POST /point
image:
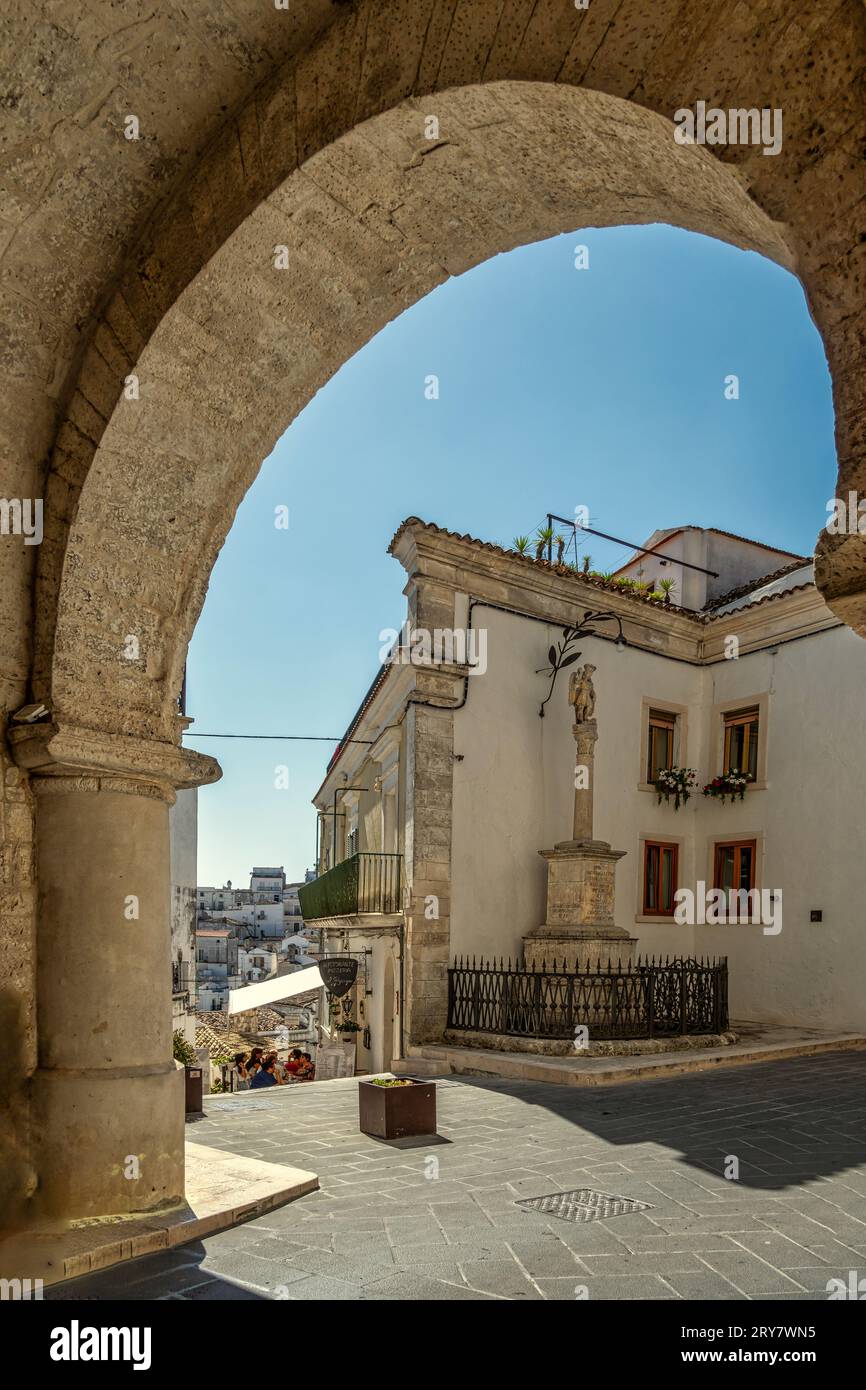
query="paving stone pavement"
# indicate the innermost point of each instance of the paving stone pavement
(437, 1219)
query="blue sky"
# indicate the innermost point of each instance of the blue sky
(557, 387)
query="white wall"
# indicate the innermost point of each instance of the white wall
(813, 814)
(513, 797)
(735, 562)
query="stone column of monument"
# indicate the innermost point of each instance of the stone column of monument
(579, 931)
(107, 1097)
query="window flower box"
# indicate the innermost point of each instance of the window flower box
(676, 782)
(729, 784)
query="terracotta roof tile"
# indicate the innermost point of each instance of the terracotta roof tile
(712, 609)
(565, 571)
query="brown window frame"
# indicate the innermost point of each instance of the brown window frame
(660, 845)
(735, 845)
(734, 719)
(659, 719)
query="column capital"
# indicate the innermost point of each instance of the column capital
(60, 752)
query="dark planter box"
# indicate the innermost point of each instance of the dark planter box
(193, 1090)
(395, 1112)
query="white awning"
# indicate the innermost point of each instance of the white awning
(273, 990)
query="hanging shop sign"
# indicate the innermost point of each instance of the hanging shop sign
(338, 974)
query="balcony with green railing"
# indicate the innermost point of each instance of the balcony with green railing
(363, 883)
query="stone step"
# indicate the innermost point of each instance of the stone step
(223, 1189)
(416, 1065)
(447, 1059)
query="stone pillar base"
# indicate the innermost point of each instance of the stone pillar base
(89, 1127)
(107, 1116)
(580, 932)
(578, 950)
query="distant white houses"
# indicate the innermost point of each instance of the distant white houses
(300, 950)
(183, 838)
(263, 920)
(256, 963)
(216, 955)
(268, 909)
(268, 885)
(292, 907)
(251, 933)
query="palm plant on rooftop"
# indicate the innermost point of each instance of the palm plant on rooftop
(543, 538)
(521, 545)
(666, 586)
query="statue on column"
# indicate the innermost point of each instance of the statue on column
(580, 931)
(581, 693)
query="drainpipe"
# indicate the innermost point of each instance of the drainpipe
(401, 929)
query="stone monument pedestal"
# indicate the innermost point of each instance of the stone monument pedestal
(579, 932)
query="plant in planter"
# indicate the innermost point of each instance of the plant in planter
(184, 1053)
(732, 784)
(666, 586)
(182, 1050)
(521, 545)
(676, 782)
(396, 1107)
(560, 548)
(348, 1025)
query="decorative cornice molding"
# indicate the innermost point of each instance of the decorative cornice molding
(93, 758)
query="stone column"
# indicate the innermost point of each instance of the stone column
(427, 863)
(585, 737)
(107, 1098)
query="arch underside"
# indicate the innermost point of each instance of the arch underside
(371, 224)
(227, 348)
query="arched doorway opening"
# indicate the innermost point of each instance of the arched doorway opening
(224, 352)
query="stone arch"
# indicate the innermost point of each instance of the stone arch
(314, 141)
(370, 225)
(160, 493)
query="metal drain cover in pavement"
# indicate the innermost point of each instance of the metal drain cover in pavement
(583, 1205)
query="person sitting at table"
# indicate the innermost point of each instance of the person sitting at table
(264, 1077)
(307, 1070)
(293, 1065)
(240, 1060)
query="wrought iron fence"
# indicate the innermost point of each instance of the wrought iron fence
(362, 883)
(647, 998)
